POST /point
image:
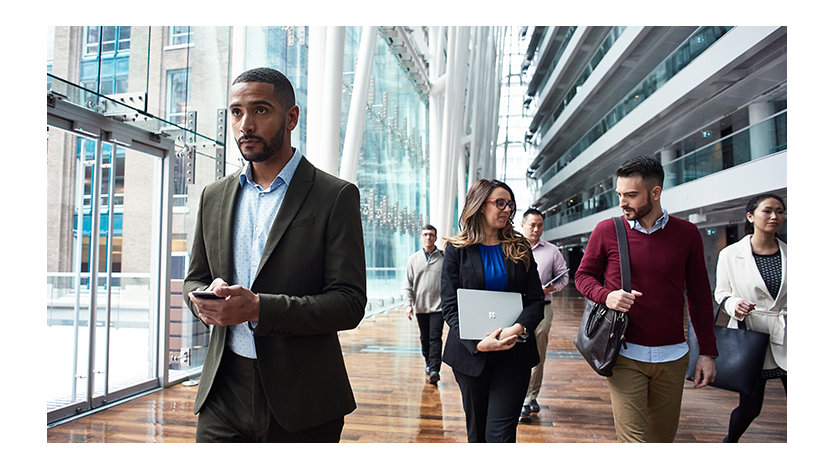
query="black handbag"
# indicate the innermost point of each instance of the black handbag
(602, 330)
(738, 367)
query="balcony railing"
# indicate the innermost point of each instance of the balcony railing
(758, 141)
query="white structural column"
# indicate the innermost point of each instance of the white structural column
(358, 105)
(666, 156)
(442, 190)
(464, 96)
(437, 79)
(497, 41)
(331, 106)
(476, 104)
(452, 122)
(315, 84)
(761, 135)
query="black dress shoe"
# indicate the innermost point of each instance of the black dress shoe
(525, 410)
(534, 406)
(434, 377)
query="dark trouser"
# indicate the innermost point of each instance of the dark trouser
(236, 409)
(749, 407)
(492, 400)
(431, 338)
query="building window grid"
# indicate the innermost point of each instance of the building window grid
(105, 66)
(180, 36)
(106, 40)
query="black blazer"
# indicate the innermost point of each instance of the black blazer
(311, 283)
(464, 268)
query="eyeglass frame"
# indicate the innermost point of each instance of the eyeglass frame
(507, 203)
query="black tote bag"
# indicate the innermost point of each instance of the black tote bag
(602, 330)
(741, 354)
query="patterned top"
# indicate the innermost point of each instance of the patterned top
(254, 216)
(770, 267)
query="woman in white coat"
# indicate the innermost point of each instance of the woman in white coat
(752, 274)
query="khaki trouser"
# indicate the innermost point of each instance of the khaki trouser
(542, 334)
(646, 399)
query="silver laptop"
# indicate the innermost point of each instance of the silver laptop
(480, 312)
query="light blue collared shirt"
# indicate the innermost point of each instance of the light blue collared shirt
(653, 354)
(660, 223)
(254, 217)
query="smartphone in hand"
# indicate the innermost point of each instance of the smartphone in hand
(205, 295)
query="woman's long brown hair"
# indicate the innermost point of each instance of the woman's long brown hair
(471, 224)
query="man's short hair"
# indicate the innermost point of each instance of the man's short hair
(531, 210)
(429, 227)
(281, 86)
(649, 168)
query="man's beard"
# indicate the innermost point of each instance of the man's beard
(640, 212)
(270, 147)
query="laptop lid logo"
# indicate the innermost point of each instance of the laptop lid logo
(492, 315)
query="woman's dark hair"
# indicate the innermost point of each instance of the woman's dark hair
(754, 203)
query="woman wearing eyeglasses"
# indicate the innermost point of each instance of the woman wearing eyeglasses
(488, 254)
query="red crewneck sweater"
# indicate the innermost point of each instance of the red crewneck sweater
(664, 265)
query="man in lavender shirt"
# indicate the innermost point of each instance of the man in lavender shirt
(551, 265)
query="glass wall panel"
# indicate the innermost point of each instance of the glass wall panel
(392, 173)
(188, 336)
(283, 48)
(188, 95)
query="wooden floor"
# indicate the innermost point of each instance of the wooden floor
(397, 405)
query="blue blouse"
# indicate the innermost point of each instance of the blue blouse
(495, 274)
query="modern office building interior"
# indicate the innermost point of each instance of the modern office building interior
(137, 125)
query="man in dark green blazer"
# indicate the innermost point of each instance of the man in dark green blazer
(287, 267)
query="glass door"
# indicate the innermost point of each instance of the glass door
(107, 207)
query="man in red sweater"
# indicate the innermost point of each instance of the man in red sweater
(667, 266)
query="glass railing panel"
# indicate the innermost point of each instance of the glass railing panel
(757, 141)
(123, 111)
(768, 137)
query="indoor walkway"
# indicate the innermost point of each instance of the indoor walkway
(396, 404)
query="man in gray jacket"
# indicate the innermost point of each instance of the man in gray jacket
(422, 296)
